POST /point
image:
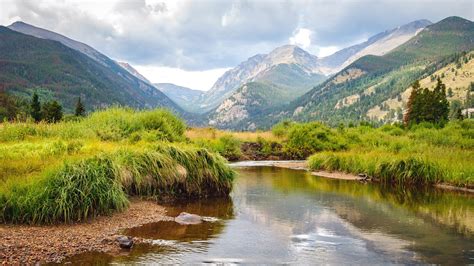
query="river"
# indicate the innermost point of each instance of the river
(277, 215)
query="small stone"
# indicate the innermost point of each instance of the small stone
(188, 218)
(125, 242)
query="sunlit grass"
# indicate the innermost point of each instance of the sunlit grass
(70, 171)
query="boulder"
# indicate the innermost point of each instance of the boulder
(188, 218)
(125, 242)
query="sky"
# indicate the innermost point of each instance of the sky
(192, 42)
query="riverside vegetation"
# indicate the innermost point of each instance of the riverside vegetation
(73, 170)
(83, 166)
(421, 154)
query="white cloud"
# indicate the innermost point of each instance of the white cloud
(328, 50)
(198, 80)
(301, 37)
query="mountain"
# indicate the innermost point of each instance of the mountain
(371, 80)
(31, 30)
(247, 102)
(287, 67)
(184, 97)
(54, 70)
(378, 44)
(133, 71)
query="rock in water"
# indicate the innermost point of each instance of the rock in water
(188, 218)
(125, 242)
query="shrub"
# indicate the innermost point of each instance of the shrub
(281, 129)
(305, 139)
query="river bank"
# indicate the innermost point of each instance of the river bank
(24, 244)
(303, 165)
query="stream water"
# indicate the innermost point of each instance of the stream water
(279, 215)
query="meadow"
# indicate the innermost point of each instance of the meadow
(77, 169)
(83, 167)
(420, 155)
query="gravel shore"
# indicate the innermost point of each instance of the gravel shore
(23, 244)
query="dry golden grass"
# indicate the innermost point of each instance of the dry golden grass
(212, 133)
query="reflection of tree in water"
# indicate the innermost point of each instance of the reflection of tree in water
(437, 223)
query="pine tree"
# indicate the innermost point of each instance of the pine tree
(441, 104)
(412, 107)
(52, 112)
(35, 111)
(427, 106)
(80, 109)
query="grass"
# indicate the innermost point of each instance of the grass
(420, 155)
(208, 133)
(71, 171)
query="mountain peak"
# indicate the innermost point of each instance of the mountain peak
(288, 49)
(19, 22)
(291, 54)
(452, 23)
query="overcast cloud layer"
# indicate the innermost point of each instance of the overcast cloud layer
(210, 36)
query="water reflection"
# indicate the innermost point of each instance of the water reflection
(289, 216)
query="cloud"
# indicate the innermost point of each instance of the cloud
(198, 80)
(302, 38)
(209, 34)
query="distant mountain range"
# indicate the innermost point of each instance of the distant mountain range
(287, 73)
(34, 59)
(356, 83)
(367, 84)
(378, 44)
(184, 97)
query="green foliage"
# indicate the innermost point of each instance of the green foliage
(80, 108)
(12, 108)
(281, 129)
(52, 112)
(113, 124)
(36, 108)
(66, 172)
(425, 105)
(30, 62)
(305, 139)
(227, 146)
(423, 154)
(116, 124)
(101, 184)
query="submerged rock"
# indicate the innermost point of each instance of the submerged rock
(188, 218)
(125, 242)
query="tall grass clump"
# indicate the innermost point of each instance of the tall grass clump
(74, 192)
(390, 170)
(115, 124)
(102, 184)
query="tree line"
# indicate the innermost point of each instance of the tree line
(425, 105)
(52, 111)
(18, 108)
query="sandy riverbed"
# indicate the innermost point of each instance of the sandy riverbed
(23, 244)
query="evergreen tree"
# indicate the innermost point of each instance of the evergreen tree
(80, 109)
(52, 112)
(440, 104)
(427, 106)
(412, 105)
(450, 92)
(35, 111)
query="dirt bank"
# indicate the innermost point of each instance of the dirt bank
(22, 244)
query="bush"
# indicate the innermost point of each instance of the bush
(305, 139)
(281, 129)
